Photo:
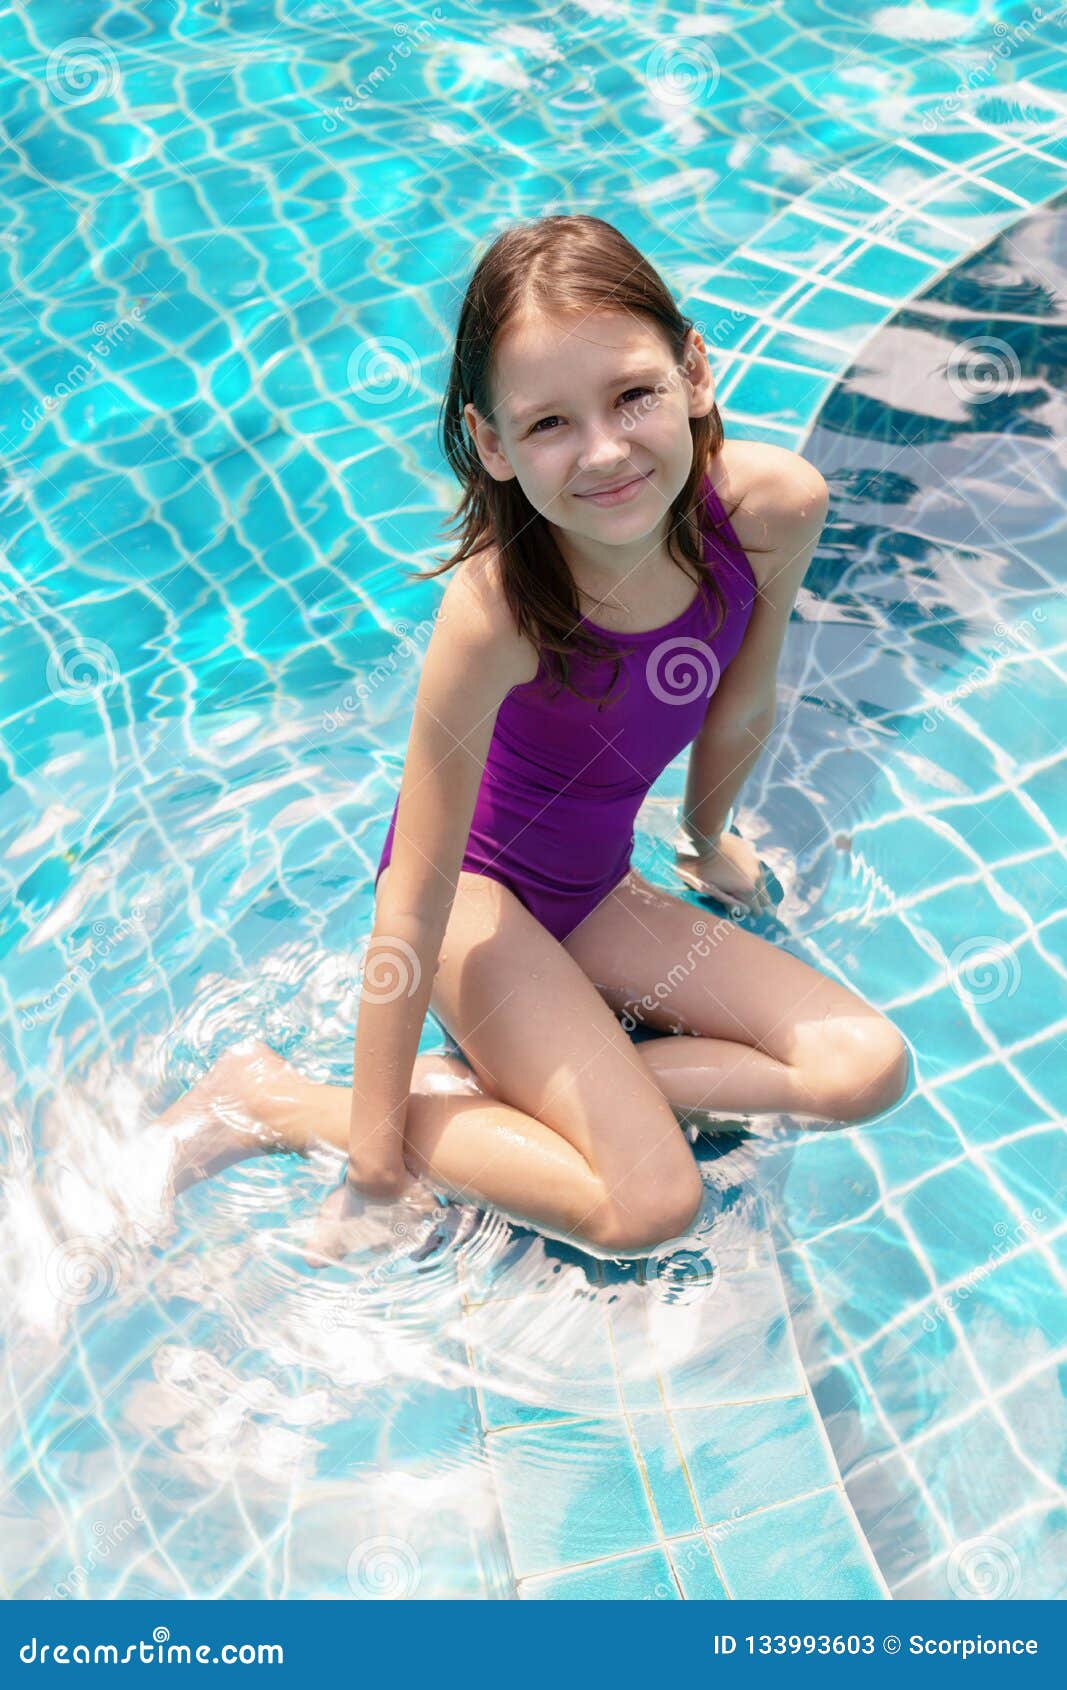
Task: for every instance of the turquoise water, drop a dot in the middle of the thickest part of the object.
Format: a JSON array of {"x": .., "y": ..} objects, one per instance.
[{"x": 233, "y": 248}]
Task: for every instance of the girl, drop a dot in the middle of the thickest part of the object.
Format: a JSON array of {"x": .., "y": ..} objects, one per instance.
[{"x": 581, "y": 424}]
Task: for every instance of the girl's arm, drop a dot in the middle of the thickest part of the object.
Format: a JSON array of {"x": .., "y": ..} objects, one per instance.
[
  {"x": 473, "y": 660},
  {"x": 783, "y": 509}
]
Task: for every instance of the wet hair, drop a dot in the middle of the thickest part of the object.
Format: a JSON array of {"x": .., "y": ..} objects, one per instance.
[{"x": 561, "y": 265}]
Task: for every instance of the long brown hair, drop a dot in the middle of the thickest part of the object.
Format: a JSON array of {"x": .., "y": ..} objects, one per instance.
[{"x": 562, "y": 264}]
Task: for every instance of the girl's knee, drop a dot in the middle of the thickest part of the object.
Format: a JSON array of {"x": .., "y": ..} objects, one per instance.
[
  {"x": 652, "y": 1214},
  {"x": 859, "y": 1068}
]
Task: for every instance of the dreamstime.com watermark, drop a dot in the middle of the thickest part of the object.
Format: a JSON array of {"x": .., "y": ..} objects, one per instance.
[
  {"x": 406, "y": 1232},
  {"x": 385, "y": 1568},
  {"x": 984, "y": 1569},
  {"x": 80, "y": 70},
  {"x": 389, "y": 968},
  {"x": 678, "y": 374},
  {"x": 411, "y": 645},
  {"x": 951, "y": 1300},
  {"x": 106, "y": 935},
  {"x": 106, "y": 1538},
  {"x": 682, "y": 71},
  {"x": 705, "y": 943},
  {"x": 108, "y": 336},
  {"x": 368, "y": 86},
  {"x": 983, "y": 368},
  {"x": 1008, "y": 38},
  {"x": 681, "y": 669},
  {"x": 83, "y": 1269},
  {"x": 81, "y": 669},
  {"x": 1008, "y": 635},
  {"x": 160, "y": 1651},
  {"x": 982, "y": 969}
]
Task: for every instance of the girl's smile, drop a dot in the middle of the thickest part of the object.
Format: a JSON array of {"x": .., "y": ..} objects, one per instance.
[{"x": 621, "y": 493}]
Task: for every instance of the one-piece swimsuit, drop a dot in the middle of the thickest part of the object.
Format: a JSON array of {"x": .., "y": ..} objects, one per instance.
[{"x": 564, "y": 780}]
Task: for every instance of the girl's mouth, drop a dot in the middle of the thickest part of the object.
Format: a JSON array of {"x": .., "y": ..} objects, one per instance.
[{"x": 618, "y": 495}]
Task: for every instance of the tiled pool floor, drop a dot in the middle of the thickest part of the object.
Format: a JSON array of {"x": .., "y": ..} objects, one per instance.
[{"x": 208, "y": 653}]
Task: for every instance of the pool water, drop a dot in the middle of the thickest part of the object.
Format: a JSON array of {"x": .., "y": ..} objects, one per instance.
[{"x": 233, "y": 248}]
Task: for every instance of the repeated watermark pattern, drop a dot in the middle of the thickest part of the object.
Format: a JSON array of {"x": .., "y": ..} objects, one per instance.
[
  {"x": 983, "y": 368},
  {"x": 702, "y": 947},
  {"x": 681, "y": 669},
  {"x": 88, "y": 367},
  {"x": 105, "y": 1539},
  {"x": 81, "y": 70},
  {"x": 678, "y": 1273},
  {"x": 983, "y": 1567},
  {"x": 974, "y": 78},
  {"x": 1007, "y": 635},
  {"x": 160, "y": 1651},
  {"x": 106, "y": 935},
  {"x": 1009, "y": 1240},
  {"x": 383, "y": 1568},
  {"x": 982, "y": 969},
  {"x": 682, "y": 71},
  {"x": 383, "y": 369},
  {"x": 389, "y": 969},
  {"x": 369, "y": 86},
  {"x": 410, "y": 648},
  {"x": 81, "y": 669}
]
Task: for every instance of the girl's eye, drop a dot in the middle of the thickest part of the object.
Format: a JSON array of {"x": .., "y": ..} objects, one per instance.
[{"x": 630, "y": 392}]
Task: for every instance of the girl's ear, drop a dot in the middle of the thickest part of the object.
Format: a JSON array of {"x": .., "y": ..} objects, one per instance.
[
  {"x": 698, "y": 375},
  {"x": 487, "y": 445}
]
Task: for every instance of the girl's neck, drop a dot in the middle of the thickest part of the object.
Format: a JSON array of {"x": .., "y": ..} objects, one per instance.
[{"x": 614, "y": 575}]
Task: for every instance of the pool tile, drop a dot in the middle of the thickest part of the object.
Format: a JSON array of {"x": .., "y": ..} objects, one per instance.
[
  {"x": 745, "y": 1456},
  {"x": 569, "y": 1493},
  {"x": 918, "y": 1371},
  {"x": 628, "y": 1578},
  {"x": 866, "y": 1273},
  {"x": 975, "y": 1469},
  {"x": 1031, "y": 178},
  {"x": 955, "y": 1219},
  {"x": 792, "y": 347},
  {"x": 669, "y": 1481},
  {"x": 1018, "y": 1300},
  {"x": 1026, "y": 1560},
  {"x": 1034, "y": 1412},
  {"x": 1032, "y": 1167},
  {"x": 847, "y": 316},
  {"x": 803, "y": 1551},
  {"x": 695, "y": 1569},
  {"x": 737, "y": 1345},
  {"x": 884, "y": 273},
  {"x": 549, "y": 1350},
  {"x": 800, "y": 239},
  {"x": 781, "y": 393}
]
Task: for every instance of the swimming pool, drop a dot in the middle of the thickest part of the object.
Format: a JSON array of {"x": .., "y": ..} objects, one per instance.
[{"x": 232, "y": 247}]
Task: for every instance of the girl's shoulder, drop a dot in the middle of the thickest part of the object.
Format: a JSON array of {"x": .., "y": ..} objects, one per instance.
[
  {"x": 778, "y": 496},
  {"x": 475, "y": 596}
]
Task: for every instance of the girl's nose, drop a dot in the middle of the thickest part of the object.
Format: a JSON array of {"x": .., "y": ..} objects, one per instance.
[{"x": 604, "y": 452}]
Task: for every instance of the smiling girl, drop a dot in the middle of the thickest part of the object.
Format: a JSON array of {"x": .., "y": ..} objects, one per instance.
[{"x": 620, "y": 590}]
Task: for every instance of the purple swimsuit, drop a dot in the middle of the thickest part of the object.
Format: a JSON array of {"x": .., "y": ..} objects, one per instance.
[{"x": 563, "y": 783}]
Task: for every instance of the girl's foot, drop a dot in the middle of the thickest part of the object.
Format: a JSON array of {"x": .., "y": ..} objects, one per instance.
[{"x": 238, "y": 1109}]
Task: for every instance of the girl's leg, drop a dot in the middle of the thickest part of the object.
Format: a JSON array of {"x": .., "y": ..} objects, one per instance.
[
  {"x": 560, "y": 1123},
  {"x": 460, "y": 1138},
  {"x": 758, "y": 1029}
]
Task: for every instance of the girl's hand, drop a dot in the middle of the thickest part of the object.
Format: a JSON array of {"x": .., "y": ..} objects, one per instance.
[
  {"x": 353, "y": 1219},
  {"x": 730, "y": 872}
]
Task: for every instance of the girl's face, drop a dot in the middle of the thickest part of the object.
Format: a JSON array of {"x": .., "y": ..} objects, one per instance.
[{"x": 591, "y": 402}]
